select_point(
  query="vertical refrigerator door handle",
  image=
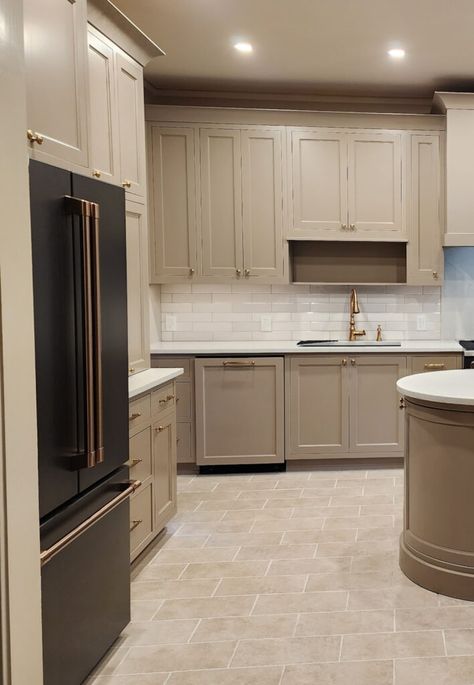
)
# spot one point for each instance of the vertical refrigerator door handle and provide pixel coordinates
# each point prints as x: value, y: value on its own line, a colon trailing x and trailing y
x: 89, y: 215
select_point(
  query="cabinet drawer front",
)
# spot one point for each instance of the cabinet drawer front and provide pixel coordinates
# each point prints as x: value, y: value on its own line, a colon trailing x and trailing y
x: 139, y: 412
x: 183, y: 402
x: 140, y: 454
x: 434, y: 362
x: 183, y: 443
x: 184, y: 363
x: 163, y: 399
x: 141, y: 516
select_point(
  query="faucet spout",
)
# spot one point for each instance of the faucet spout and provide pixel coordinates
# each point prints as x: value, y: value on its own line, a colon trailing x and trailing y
x: 354, y: 309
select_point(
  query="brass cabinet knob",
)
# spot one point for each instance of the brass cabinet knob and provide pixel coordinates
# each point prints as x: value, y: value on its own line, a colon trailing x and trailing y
x: 134, y: 524
x: 134, y: 416
x: 344, y: 227
x: 353, y: 362
x: 435, y: 275
x: 131, y: 369
x: 238, y: 272
x: 135, y: 462
x: 159, y: 429
x: 126, y: 183
x: 344, y: 362
x: 247, y: 272
x: 96, y: 173
x: 352, y: 227
x: 34, y: 137
x: 192, y: 272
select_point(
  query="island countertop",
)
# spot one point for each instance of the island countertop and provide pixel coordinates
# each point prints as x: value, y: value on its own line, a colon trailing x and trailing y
x: 151, y: 378
x: 443, y: 387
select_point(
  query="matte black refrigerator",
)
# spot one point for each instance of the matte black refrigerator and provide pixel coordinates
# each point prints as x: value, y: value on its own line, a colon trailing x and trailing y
x: 80, y: 303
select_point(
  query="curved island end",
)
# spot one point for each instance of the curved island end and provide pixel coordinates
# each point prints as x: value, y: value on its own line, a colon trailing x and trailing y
x: 437, y: 542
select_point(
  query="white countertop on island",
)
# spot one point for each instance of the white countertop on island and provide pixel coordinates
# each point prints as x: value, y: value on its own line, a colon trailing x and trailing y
x: 290, y: 347
x: 444, y: 387
x: 150, y: 379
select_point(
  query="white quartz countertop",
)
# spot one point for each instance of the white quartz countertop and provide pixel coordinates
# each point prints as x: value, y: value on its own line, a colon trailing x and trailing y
x: 445, y: 387
x: 150, y: 379
x: 290, y: 347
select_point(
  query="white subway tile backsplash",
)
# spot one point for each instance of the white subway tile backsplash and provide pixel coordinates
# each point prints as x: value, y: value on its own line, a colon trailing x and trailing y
x: 223, y: 312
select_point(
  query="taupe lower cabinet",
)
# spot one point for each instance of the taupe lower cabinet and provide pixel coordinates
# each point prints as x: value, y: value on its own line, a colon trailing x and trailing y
x: 239, y: 410
x: 344, y: 406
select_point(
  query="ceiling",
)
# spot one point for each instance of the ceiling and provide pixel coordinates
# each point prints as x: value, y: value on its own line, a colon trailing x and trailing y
x: 329, y: 47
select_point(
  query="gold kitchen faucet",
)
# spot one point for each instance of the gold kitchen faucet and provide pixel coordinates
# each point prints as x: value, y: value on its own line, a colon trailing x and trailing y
x: 354, y: 309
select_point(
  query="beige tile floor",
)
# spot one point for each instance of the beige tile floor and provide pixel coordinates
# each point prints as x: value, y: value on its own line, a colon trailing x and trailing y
x: 288, y: 579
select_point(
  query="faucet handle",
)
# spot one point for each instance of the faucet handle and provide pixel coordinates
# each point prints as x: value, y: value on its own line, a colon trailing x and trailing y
x: 379, y: 333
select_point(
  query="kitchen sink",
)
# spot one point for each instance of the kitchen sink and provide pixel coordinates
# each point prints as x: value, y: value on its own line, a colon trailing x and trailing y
x: 348, y: 343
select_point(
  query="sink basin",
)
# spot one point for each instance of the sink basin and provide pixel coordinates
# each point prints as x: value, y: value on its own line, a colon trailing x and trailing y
x: 348, y: 343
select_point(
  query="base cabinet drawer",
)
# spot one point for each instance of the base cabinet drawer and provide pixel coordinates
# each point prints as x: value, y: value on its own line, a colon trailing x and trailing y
x: 435, y: 362
x: 141, y: 518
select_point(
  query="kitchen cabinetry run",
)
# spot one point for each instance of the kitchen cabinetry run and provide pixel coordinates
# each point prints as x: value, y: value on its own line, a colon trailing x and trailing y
x: 239, y: 410
x: 137, y: 287
x: 344, y: 406
x: 152, y: 459
x: 345, y: 185
x: 57, y: 87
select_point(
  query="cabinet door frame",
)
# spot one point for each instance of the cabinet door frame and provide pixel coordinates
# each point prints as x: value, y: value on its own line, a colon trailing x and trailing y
x: 143, y: 361
x: 159, y: 271
x: 355, y: 447
x: 295, y: 450
x: 123, y: 63
x: 261, y: 272
x: 316, y: 229
x: 103, y: 47
x: 207, y: 269
x: 53, y: 150
x: 376, y: 230
x: 163, y: 512
x: 431, y: 274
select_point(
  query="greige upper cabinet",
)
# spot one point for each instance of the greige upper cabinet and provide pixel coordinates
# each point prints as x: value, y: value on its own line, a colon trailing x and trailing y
x: 221, y: 203
x: 239, y: 410
x: 318, y: 194
x: 172, y: 177
x: 104, y: 129
x: 137, y: 287
x: 262, y: 204
x: 345, y: 185
x: 376, y: 422
x: 317, y: 406
x: 425, y: 211
x: 56, y: 81
x: 131, y: 120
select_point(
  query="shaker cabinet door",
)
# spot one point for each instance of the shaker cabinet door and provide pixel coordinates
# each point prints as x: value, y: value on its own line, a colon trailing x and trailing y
x: 131, y: 125
x: 221, y: 203
x: 137, y: 287
x: 172, y: 176
x: 164, y: 458
x: 56, y: 81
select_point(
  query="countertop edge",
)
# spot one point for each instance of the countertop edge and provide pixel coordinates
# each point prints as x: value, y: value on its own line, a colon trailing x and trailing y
x: 147, y: 380
x: 447, y: 382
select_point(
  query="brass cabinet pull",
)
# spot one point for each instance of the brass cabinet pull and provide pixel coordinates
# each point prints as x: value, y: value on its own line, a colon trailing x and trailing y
x: 344, y: 227
x: 135, y: 524
x: 34, y: 137
x: 435, y: 275
x: 96, y: 173
x: 402, y: 403
x: 353, y: 362
x: 435, y: 367
x: 166, y: 399
x: 159, y: 429
x: 134, y: 416
x: 48, y: 554
x: 344, y: 362
x: 238, y: 272
x: 352, y: 227
x: 126, y: 183
x: 135, y: 462
x: 237, y: 363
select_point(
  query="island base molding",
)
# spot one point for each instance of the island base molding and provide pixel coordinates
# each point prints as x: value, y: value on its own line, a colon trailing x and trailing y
x: 437, y: 542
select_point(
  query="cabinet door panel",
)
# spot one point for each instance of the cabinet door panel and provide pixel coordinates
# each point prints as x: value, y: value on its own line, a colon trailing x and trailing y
x: 173, y: 198
x: 262, y: 202
x: 56, y: 79
x: 137, y: 287
x: 376, y: 422
x: 318, y: 406
x: 164, y: 457
x: 131, y: 124
x: 319, y: 182
x: 375, y: 183
x: 221, y: 202
x: 425, y: 247
x: 104, y: 149
x: 239, y: 410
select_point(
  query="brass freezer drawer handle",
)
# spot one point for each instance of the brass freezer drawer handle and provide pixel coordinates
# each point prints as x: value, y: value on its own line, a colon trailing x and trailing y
x: 134, y: 416
x: 58, y: 546
x: 435, y: 366
x: 252, y: 363
x: 135, y: 524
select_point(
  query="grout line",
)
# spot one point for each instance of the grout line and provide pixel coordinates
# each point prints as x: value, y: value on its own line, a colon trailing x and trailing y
x: 281, y: 675
x: 340, y: 647
x: 444, y: 642
x: 195, y: 628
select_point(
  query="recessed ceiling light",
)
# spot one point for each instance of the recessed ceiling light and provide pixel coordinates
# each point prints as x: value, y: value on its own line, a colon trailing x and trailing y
x: 396, y: 53
x: 243, y: 47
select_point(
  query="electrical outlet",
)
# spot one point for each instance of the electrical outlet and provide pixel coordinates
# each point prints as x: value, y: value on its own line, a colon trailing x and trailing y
x: 266, y: 323
x: 170, y: 322
x: 421, y: 322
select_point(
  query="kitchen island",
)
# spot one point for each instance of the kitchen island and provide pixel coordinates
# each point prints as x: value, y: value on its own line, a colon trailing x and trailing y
x: 437, y: 542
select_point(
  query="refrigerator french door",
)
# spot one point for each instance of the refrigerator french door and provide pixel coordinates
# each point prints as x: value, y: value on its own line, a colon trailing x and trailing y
x: 79, y: 282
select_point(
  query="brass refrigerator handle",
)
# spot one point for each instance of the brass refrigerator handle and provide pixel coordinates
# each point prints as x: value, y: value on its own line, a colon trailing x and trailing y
x: 58, y: 546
